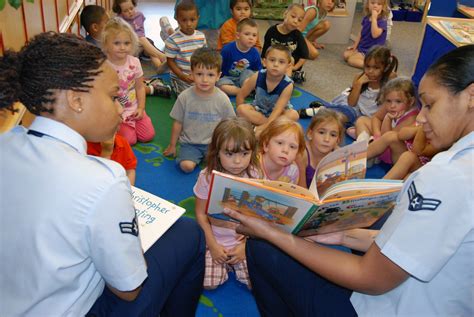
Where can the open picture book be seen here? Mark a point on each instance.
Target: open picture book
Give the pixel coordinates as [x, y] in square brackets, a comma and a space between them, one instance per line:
[154, 216]
[339, 197]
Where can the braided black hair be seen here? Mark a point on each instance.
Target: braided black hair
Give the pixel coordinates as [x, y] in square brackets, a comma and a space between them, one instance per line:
[49, 61]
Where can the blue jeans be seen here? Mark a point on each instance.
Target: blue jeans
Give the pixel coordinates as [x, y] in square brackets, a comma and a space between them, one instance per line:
[175, 276]
[284, 287]
[350, 112]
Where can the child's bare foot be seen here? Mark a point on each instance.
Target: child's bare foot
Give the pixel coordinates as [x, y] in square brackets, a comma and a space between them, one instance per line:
[318, 46]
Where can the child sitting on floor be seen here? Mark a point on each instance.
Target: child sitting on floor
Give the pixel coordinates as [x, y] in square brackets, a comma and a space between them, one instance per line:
[181, 45]
[324, 134]
[287, 34]
[233, 151]
[373, 32]
[361, 98]
[397, 109]
[116, 149]
[93, 19]
[240, 59]
[279, 144]
[119, 43]
[126, 9]
[314, 24]
[273, 90]
[240, 9]
[198, 110]
[394, 137]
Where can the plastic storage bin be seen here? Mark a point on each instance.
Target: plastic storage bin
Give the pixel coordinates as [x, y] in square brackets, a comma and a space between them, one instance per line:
[399, 15]
[413, 16]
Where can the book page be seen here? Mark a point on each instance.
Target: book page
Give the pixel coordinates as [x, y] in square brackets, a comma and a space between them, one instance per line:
[154, 216]
[356, 212]
[254, 199]
[347, 162]
[361, 187]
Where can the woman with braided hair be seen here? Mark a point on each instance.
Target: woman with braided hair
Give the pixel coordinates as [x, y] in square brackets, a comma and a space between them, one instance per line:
[69, 243]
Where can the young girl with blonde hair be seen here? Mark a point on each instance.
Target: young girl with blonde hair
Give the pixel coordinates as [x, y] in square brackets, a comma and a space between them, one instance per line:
[373, 32]
[233, 151]
[119, 43]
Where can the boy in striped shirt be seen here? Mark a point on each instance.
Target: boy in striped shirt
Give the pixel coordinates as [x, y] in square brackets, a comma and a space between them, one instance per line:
[181, 45]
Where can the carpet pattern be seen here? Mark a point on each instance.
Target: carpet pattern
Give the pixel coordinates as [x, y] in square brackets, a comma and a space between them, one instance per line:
[161, 176]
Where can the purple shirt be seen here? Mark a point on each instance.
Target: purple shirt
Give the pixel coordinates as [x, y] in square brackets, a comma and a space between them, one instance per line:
[137, 23]
[366, 39]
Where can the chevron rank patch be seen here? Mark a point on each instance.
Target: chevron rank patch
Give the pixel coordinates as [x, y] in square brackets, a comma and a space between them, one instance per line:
[418, 202]
[129, 227]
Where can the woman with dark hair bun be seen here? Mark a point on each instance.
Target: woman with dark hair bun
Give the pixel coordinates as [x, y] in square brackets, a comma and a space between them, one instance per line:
[70, 241]
[421, 262]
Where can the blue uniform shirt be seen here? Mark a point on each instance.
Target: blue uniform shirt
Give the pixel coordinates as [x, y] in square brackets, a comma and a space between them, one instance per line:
[68, 224]
[430, 235]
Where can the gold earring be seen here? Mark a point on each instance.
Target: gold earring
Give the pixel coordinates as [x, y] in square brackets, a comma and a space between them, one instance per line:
[79, 109]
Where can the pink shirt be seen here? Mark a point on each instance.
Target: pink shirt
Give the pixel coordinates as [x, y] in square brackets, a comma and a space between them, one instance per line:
[224, 236]
[128, 73]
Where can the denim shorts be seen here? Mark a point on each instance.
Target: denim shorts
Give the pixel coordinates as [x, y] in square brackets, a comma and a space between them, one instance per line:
[192, 152]
[235, 81]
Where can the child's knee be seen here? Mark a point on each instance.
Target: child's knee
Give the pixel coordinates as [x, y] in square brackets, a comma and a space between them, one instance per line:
[242, 109]
[187, 166]
[292, 114]
[325, 25]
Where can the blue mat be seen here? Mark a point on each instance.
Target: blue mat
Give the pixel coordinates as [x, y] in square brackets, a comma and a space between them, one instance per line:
[160, 176]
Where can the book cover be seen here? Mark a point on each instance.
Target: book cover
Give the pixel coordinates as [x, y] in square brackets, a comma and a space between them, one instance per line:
[347, 162]
[154, 216]
[348, 201]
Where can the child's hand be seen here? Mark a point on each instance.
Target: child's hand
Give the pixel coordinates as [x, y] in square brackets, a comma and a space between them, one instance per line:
[138, 114]
[395, 115]
[218, 253]
[170, 151]
[352, 47]
[236, 254]
[375, 14]
[363, 79]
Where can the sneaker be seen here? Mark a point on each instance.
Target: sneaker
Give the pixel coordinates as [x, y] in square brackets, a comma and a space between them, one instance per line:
[316, 104]
[159, 88]
[163, 35]
[165, 28]
[299, 76]
[306, 113]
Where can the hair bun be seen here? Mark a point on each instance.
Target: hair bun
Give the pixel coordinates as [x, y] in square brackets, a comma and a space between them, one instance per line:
[10, 88]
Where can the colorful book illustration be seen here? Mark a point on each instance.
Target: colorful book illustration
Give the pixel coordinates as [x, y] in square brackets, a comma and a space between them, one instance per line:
[461, 32]
[154, 216]
[338, 199]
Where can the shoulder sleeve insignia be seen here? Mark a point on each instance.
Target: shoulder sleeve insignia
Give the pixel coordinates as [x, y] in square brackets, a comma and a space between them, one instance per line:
[129, 227]
[418, 202]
